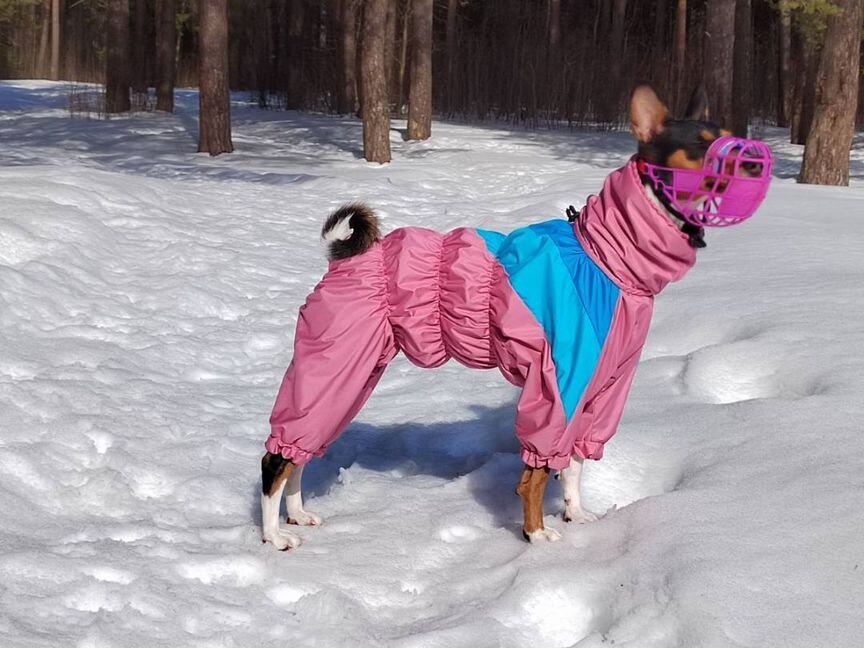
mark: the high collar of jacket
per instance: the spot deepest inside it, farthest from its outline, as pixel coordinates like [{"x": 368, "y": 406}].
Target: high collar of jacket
[{"x": 630, "y": 237}]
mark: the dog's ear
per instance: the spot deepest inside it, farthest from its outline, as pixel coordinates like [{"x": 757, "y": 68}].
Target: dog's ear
[
  {"x": 697, "y": 107},
  {"x": 647, "y": 113}
]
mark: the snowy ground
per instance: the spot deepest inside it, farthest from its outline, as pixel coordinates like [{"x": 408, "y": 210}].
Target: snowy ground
[{"x": 147, "y": 307}]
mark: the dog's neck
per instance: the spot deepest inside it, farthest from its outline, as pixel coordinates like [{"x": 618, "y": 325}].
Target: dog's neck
[
  {"x": 629, "y": 239},
  {"x": 694, "y": 233},
  {"x": 654, "y": 198}
]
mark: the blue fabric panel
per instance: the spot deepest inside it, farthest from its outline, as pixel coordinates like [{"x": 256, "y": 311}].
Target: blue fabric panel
[
  {"x": 572, "y": 300},
  {"x": 598, "y": 293},
  {"x": 493, "y": 240}
]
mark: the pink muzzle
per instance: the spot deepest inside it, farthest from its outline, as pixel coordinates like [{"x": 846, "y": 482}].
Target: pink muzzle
[{"x": 727, "y": 190}]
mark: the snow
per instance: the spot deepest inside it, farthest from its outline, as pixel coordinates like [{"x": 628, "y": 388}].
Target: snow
[{"x": 149, "y": 296}]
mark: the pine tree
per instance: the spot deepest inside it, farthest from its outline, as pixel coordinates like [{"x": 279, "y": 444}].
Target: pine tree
[
  {"x": 719, "y": 59},
  {"x": 214, "y": 96},
  {"x": 117, "y": 59},
  {"x": 139, "y": 51},
  {"x": 166, "y": 43},
  {"x": 55, "y": 39},
  {"x": 373, "y": 77},
  {"x": 826, "y": 156},
  {"x": 742, "y": 82},
  {"x": 420, "y": 92},
  {"x": 680, "y": 51},
  {"x": 784, "y": 100},
  {"x": 347, "y": 97},
  {"x": 450, "y": 49}
]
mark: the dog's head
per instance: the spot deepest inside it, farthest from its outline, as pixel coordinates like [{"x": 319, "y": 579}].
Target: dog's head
[{"x": 673, "y": 143}]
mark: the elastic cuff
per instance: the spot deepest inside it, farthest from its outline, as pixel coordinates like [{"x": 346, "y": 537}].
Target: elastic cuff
[
  {"x": 534, "y": 460},
  {"x": 588, "y": 450},
  {"x": 297, "y": 456}
]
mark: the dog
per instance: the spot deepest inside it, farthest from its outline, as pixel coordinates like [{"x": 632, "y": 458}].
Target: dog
[{"x": 561, "y": 308}]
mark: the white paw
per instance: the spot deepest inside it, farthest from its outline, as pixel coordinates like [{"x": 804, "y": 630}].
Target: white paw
[
  {"x": 578, "y": 515},
  {"x": 543, "y": 535},
  {"x": 304, "y": 518},
  {"x": 282, "y": 540}
]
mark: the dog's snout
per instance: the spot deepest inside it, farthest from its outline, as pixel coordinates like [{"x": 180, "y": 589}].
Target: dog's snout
[{"x": 751, "y": 169}]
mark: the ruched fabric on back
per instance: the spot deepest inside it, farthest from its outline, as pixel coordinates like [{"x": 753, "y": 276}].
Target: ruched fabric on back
[{"x": 438, "y": 288}]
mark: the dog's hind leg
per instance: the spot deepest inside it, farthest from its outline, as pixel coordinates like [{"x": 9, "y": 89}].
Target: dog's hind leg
[
  {"x": 532, "y": 486},
  {"x": 294, "y": 501},
  {"x": 275, "y": 473},
  {"x": 571, "y": 480}
]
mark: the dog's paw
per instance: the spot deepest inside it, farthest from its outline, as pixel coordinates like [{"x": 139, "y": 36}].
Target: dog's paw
[
  {"x": 578, "y": 515},
  {"x": 304, "y": 518},
  {"x": 542, "y": 535},
  {"x": 283, "y": 541}
]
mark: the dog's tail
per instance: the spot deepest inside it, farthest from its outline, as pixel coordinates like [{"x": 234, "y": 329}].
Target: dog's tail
[{"x": 350, "y": 230}]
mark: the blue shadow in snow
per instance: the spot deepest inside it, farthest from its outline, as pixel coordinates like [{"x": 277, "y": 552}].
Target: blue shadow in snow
[{"x": 483, "y": 450}]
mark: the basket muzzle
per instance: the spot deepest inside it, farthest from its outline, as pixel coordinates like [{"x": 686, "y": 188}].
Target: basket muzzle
[{"x": 727, "y": 190}]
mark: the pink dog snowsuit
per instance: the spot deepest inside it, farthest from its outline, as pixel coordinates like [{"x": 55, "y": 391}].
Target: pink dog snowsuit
[{"x": 562, "y": 309}]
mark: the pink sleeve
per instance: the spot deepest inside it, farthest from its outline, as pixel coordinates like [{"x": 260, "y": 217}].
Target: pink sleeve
[
  {"x": 525, "y": 359},
  {"x": 599, "y": 416},
  {"x": 342, "y": 344}
]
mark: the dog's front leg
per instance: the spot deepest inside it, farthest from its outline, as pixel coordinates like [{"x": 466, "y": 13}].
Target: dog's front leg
[
  {"x": 532, "y": 486},
  {"x": 571, "y": 481},
  {"x": 294, "y": 501},
  {"x": 275, "y": 472}
]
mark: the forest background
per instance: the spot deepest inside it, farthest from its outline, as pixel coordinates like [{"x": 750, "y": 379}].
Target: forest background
[{"x": 537, "y": 63}]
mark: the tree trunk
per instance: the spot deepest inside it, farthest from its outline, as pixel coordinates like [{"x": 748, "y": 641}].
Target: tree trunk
[
  {"x": 806, "y": 56},
  {"x": 420, "y": 92},
  {"x": 361, "y": 8},
  {"x": 261, "y": 37},
  {"x": 680, "y": 53},
  {"x": 659, "y": 39},
  {"x": 450, "y": 48},
  {"x": 166, "y": 42},
  {"x": 742, "y": 83},
  {"x": 214, "y": 98},
  {"x": 615, "y": 57},
  {"x": 117, "y": 58},
  {"x": 373, "y": 77},
  {"x": 719, "y": 59},
  {"x": 347, "y": 98},
  {"x": 139, "y": 51},
  {"x": 42, "y": 62},
  {"x": 55, "y": 39},
  {"x": 390, "y": 51},
  {"x": 295, "y": 94},
  {"x": 554, "y": 29},
  {"x": 604, "y": 18},
  {"x": 826, "y": 156},
  {"x": 403, "y": 58},
  {"x": 322, "y": 30},
  {"x": 551, "y": 95},
  {"x": 784, "y": 99},
  {"x": 280, "y": 63}
]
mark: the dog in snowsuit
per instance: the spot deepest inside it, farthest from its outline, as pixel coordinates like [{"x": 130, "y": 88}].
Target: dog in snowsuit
[{"x": 561, "y": 308}]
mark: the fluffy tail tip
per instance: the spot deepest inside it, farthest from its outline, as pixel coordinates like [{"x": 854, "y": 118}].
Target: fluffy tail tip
[{"x": 350, "y": 230}]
